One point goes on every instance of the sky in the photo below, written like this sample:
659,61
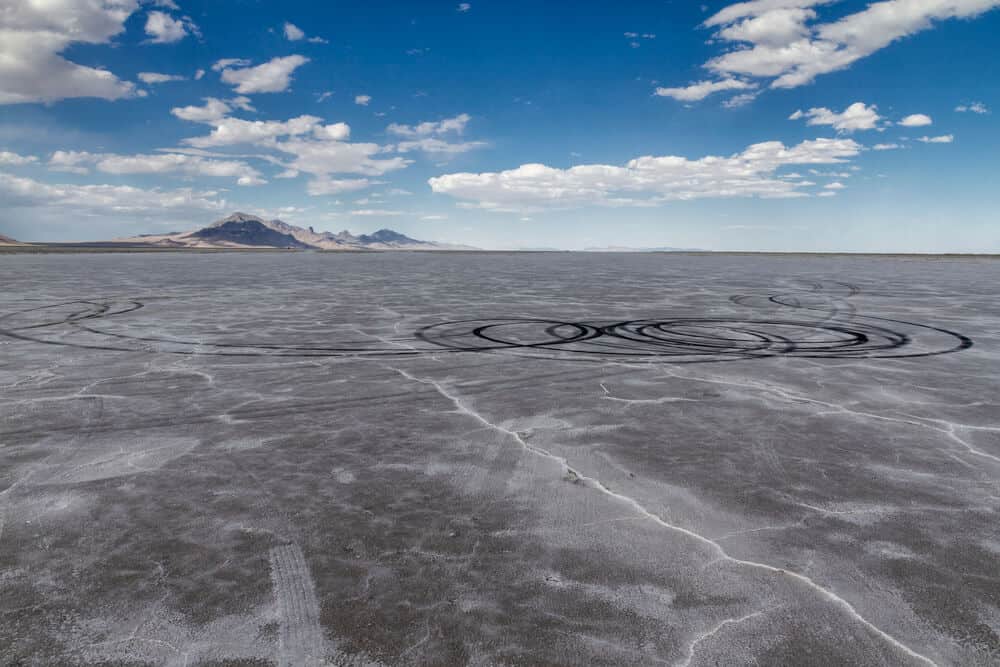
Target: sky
773,125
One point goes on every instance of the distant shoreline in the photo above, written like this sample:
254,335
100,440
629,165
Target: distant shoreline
112,247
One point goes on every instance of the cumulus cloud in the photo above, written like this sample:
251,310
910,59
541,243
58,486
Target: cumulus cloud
782,41
152,78
188,165
232,131
363,100
974,107
71,161
916,120
942,139
323,158
306,144
9,159
741,100
165,29
106,200
646,181
858,116
324,185
431,128
702,89
427,136
438,146
34,34
225,63
293,33
375,212
213,110
274,76
158,163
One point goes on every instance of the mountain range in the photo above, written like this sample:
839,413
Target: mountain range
242,230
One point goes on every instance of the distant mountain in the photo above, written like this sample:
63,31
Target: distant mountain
247,233
242,230
6,240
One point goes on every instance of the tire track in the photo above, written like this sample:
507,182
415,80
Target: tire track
300,639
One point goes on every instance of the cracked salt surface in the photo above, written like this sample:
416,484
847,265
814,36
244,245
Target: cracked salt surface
629,463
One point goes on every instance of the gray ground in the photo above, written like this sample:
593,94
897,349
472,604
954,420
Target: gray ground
296,459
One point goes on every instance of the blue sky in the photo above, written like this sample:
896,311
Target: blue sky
765,125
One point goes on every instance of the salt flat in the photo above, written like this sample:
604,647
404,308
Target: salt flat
499,459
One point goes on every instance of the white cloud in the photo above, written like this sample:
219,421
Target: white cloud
645,181
274,76
315,148
293,33
438,146
152,78
776,26
741,100
8,159
241,102
858,116
322,158
325,95
333,132
34,34
376,212
159,163
225,63
702,89
974,107
233,131
164,29
431,128
363,100
886,147
943,139
782,41
71,161
426,136
324,185
463,7
916,120
213,110
106,200
836,185
756,8
178,163
199,74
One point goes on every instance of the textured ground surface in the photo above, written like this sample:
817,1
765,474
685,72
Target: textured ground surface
480,459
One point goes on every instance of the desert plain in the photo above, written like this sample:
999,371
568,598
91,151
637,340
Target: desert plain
499,459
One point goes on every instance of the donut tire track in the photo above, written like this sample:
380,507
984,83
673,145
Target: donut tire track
827,327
